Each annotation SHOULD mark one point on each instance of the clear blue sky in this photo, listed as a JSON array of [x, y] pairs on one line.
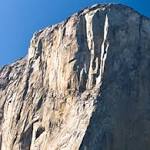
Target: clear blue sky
[[21, 18]]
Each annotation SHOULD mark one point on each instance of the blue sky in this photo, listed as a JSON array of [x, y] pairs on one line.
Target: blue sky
[[21, 18]]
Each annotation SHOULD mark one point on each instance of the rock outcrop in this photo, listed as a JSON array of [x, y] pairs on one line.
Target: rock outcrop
[[84, 85]]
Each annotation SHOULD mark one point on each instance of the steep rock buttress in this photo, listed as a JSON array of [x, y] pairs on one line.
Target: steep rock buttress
[[84, 85]]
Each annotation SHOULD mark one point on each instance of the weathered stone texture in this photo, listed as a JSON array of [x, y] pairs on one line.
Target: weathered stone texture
[[84, 85]]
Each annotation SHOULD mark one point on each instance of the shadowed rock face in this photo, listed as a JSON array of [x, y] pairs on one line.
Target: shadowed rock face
[[84, 85]]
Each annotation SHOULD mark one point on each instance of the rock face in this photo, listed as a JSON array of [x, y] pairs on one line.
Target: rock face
[[84, 85]]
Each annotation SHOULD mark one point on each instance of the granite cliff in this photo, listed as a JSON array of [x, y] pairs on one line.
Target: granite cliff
[[84, 85]]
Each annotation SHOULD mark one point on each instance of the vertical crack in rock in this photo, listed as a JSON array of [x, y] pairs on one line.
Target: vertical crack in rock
[[26, 138], [26, 86], [104, 49], [91, 48], [85, 145], [82, 55]]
